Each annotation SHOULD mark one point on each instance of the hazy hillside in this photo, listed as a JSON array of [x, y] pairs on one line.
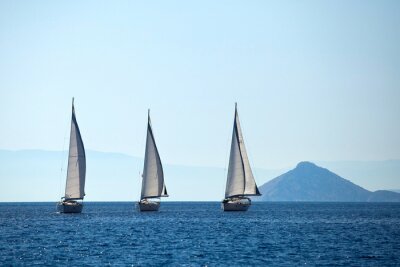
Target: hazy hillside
[[395, 190], [308, 182], [384, 196], [36, 175], [371, 175]]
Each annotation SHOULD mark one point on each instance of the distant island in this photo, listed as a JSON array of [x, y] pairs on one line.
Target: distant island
[[309, 182]]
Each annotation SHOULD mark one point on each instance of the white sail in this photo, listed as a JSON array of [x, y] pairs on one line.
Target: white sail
[[240, 181], [153, 185], [75, 186]]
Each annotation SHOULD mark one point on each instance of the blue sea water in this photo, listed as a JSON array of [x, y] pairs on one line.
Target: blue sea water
[[200, 234]]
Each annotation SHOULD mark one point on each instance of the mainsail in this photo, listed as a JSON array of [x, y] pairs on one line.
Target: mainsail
[[153, 185], [75, 187], [240, 181]]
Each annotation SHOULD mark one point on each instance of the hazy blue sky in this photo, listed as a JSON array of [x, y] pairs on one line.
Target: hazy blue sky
[[314, 80]]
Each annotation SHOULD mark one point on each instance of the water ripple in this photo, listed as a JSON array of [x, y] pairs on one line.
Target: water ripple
[[199, 234]]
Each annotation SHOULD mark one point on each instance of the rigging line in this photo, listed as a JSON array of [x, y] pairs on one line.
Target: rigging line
[[227, 157], [63, 159], [140, 188], [143, 141], [227, 154]]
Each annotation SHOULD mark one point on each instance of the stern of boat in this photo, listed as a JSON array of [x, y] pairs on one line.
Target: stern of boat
[[69, 207], [146, 205], [236, 204]]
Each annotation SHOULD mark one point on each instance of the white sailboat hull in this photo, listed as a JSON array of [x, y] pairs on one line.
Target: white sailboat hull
[[69, 207], [148, 206], [236, 204]]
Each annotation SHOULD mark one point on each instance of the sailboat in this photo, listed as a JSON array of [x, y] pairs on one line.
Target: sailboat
[[240, 184], [75, 184], [153, 186]]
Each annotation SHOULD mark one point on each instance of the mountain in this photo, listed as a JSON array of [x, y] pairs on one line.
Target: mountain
[[309, 182]]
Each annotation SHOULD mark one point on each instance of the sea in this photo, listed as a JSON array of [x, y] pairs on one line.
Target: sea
[[200, 234]]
